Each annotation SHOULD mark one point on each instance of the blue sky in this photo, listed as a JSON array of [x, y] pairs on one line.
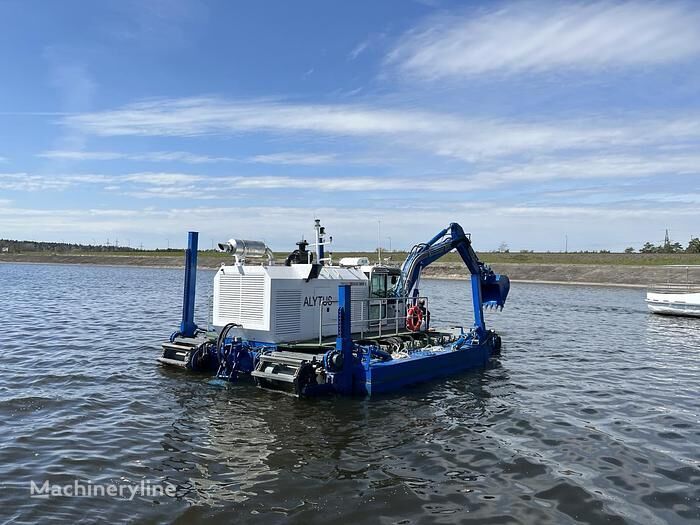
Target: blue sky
[[524, 121]]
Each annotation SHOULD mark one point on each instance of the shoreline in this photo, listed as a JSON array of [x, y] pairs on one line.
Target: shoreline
[[540, 281], [621, 276], [429, 277]]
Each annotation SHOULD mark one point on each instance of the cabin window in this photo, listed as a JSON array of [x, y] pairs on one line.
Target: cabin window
[[378, 285]]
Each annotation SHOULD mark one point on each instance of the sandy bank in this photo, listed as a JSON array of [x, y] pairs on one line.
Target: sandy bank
[[591, 274]]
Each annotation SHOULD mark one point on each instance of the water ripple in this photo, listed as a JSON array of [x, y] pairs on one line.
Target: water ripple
[[590, 416]]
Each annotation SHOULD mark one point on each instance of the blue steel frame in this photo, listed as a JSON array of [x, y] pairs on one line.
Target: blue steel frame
[[187, 326], [343, 379]]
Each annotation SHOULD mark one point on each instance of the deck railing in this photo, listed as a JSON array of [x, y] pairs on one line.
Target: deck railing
[[687, 287], [376, 326], [680, 278]]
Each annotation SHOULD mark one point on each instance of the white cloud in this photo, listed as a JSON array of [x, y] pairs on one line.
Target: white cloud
[[609, 213], [304, 159], [31, 182], [543, 36], [152, 156], [582, 168], [373, 40], [350, 227], [323, 183], [179, 156], [441, 134], [191, 193], [284, 158], [169, 185], [80, 155], [610, 167], [358, 49], [201, 116], [162, 179], [672, 198]]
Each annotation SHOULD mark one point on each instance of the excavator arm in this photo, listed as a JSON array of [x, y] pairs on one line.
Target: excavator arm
[[488, 288]]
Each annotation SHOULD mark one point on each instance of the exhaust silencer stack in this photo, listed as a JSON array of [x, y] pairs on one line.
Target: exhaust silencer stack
[[242, 249]]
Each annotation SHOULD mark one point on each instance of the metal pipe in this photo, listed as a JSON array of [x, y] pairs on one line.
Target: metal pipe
[[343, 342], [187, 325], [320, 323], [396, 316], [319, 230], [362, 320], [242, 249], [477, 304]]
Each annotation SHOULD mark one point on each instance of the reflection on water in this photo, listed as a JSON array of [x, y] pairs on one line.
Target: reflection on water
[[590, 415]]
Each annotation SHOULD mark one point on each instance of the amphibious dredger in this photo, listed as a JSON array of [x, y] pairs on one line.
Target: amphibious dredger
[[309, 327]]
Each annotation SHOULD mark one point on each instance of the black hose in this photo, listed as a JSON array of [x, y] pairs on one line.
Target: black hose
[[224, 332], [380, 354]]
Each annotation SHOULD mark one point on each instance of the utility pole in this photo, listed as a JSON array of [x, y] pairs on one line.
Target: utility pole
[[379, 240], [389, 237], [566, 243]]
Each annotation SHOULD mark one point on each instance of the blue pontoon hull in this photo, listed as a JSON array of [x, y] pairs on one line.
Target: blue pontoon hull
[[390, 376]]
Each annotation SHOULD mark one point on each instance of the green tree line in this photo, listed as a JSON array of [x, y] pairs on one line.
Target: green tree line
[[669, 247], [12, 246]]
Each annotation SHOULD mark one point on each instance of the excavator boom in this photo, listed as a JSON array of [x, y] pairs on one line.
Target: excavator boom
[[488, 288]]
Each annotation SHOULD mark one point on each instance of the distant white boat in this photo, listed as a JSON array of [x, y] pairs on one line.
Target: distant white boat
[[675, 298]]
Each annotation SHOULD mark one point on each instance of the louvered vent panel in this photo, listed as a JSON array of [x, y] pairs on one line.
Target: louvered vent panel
[[358, 312], [242, 298], [288, 311]]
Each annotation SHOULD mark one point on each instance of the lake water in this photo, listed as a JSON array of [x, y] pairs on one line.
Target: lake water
[[591, 415]]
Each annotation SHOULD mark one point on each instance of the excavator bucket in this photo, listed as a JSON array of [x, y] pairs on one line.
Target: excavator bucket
[[494, 290]]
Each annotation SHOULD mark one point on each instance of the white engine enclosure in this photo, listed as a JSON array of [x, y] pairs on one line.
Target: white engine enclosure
[[279, 304]]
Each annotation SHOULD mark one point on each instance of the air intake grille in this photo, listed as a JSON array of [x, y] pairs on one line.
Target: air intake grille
[[242, 299], [288, 311]]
